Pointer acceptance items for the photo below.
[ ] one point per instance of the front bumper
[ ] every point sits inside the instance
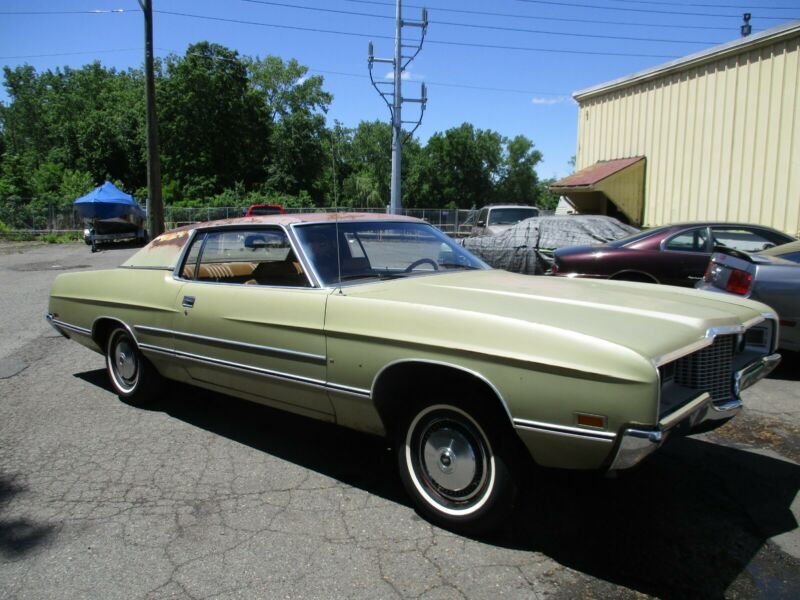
(635, 443)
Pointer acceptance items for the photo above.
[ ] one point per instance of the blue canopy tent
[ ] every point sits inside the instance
(107, 202)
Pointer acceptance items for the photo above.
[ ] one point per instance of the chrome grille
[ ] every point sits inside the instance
(709, 370)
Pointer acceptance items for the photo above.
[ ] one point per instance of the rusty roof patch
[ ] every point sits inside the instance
(294, 218)
(596, 173)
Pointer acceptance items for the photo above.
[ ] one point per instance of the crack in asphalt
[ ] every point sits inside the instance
(142, 503)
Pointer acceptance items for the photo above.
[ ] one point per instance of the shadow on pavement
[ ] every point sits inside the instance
(789, 367)
(18, 536)
(685, 524)
(688, 523)
(359, 460)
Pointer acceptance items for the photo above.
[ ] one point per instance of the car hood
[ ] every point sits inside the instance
(557, 321)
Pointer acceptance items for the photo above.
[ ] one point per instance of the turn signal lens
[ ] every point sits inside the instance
(591, 420)
(739, 282)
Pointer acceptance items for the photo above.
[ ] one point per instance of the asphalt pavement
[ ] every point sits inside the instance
(205, 496)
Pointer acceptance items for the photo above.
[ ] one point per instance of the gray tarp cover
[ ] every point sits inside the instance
(528, 246)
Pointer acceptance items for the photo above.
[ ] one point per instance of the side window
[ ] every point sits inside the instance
(693, 240)
(483, 215)
(190, 264)
(740, 239)
(249, 257)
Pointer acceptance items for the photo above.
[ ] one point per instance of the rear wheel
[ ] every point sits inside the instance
(454, 468)
(132, 376)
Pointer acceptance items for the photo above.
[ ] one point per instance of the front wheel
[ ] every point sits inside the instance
(454, 469)
(132, 376)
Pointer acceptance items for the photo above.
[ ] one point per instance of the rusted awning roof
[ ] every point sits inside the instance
(621, 181)
(591, 176)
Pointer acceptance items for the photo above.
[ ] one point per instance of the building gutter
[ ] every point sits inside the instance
(747, 44)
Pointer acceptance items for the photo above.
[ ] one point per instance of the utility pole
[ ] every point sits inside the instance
(396, 105)
(155, 202)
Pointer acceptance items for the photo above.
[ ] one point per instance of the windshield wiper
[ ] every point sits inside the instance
(459, 266)
(374, 275)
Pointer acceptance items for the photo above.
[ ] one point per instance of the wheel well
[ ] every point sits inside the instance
(639, 276)
(403, 386)
(102, 328)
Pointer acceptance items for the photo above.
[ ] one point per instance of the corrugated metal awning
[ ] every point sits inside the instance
(620, 180)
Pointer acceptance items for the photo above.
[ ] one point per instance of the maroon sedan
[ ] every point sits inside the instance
(672, 254)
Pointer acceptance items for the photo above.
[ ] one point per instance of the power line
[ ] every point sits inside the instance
(68, 12)
(372, 15)
(531, 49)
(477, 26)
(544, 18)
(645, 10)
(586, 35)
(310, 69)
(70, 53)
(698, 5)
(440, 42)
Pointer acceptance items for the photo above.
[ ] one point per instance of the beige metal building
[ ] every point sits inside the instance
(712, 136)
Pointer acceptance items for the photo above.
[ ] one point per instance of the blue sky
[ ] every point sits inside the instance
(506, 65)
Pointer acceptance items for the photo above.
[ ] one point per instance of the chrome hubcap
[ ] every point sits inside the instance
(453, 461)
(125, 361)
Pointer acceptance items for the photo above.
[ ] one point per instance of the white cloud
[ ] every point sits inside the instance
(406, 76)
(549, 101)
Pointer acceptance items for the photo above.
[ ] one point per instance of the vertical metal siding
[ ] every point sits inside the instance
(722, 140)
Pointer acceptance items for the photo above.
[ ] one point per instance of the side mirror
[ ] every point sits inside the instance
(481, 223)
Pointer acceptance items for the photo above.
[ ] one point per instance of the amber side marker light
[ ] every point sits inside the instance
(591, 420)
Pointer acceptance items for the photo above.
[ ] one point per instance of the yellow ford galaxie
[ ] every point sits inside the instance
(383, 324)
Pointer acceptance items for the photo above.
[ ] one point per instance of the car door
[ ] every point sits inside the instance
(685, 256)
(249, 321)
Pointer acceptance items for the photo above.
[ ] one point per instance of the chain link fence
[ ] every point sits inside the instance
(38, 217)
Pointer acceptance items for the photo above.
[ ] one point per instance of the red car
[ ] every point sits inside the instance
(264, 209)
(672, 254)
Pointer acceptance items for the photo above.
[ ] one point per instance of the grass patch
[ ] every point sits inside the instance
(69, 237)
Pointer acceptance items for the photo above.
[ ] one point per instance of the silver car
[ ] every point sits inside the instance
(771, 276)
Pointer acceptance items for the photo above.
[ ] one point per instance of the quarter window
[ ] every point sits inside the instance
(245, 256)
(745, 240)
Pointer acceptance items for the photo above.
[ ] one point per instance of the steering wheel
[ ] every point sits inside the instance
(419, 262)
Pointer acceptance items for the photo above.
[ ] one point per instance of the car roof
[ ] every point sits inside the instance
(711, 224)
(163, 251)
(297, 218)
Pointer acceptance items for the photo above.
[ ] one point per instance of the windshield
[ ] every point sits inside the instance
(380, 250)
(511, 216)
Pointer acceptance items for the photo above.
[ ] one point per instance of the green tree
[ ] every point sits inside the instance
(214, 128)
(460, 167)
(296, 104)
(369, 166)
(518, 182)
(84, 119)
(547, 200)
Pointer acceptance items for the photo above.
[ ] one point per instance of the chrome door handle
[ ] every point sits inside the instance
(188, 301)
